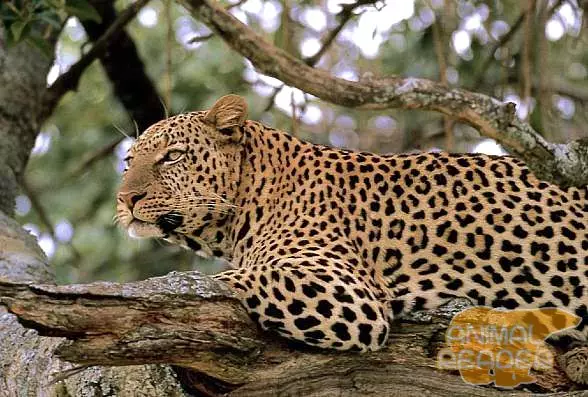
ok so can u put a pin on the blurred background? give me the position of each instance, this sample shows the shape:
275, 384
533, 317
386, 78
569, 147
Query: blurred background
68, 196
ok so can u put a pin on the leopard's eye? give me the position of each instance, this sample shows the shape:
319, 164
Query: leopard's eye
127, 161
172, 156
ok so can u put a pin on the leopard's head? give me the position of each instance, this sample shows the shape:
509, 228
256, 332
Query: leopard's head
182, 173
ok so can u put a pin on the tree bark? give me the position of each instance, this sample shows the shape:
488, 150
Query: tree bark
194, 322
23, 72
28, 361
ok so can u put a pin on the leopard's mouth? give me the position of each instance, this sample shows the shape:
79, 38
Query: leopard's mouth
165, 224
170, 221
141, 229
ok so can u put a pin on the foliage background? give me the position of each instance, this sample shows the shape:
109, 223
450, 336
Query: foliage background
68, 193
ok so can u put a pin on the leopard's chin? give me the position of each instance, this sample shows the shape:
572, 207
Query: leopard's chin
139, 229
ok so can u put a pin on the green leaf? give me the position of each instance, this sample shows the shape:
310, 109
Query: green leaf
50, 18
42, 44
17, 28
83, 10
7, 14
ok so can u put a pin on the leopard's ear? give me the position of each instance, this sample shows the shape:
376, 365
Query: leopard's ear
227, 115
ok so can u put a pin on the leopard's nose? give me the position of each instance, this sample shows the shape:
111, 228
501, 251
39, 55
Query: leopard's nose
131, 198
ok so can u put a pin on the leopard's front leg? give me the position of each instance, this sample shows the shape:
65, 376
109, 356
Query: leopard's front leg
320, 302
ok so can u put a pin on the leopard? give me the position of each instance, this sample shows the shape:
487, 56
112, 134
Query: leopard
328, 246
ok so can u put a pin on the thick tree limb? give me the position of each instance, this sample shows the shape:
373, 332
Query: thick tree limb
564, 164
109, 36
194, 322
125, 69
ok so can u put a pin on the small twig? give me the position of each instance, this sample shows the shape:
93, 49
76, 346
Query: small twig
92, 158
87, 161
294, 116
168, 53
442, 62
345, 16
70, 79
200, 39
500, 43
44, 218
558, 85
237, 4
272, 98
38, 207
543, 95
526, 68
479, 79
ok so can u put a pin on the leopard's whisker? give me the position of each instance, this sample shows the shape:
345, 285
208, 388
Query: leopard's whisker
120, 130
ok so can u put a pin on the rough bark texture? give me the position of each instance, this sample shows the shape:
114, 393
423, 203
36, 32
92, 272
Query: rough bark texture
28, 362
194, 322
563, 164
23, 72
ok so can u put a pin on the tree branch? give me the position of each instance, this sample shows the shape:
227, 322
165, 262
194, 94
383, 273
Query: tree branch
526, 64
126, 70
70, 79
500, 43
565, 165
195, 322
576, 90
439, 41
479, 79
345, 16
